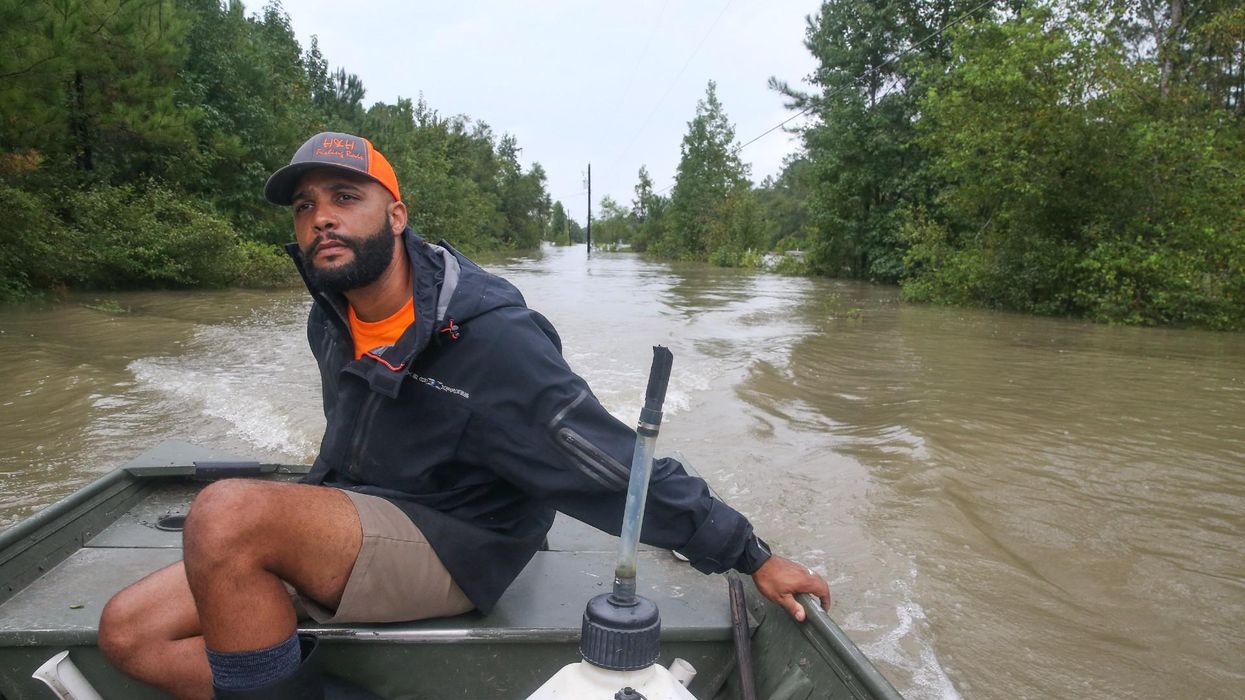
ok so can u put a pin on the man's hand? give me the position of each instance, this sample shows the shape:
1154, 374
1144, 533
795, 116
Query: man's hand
781, 580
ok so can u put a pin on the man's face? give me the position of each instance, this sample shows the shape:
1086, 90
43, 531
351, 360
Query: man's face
344, 229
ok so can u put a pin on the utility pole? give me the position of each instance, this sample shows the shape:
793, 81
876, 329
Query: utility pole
590, 210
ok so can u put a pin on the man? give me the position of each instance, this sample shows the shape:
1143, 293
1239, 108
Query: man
454, 427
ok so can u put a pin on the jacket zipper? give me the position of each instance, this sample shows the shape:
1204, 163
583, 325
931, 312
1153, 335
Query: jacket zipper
327, 346
362, 427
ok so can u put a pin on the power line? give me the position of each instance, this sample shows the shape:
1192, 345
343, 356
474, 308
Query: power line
774, 128
670, 86
858, 78
853, 83
642, 55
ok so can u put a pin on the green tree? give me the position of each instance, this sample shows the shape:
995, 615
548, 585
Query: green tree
644, 196
38, 252
183, 107
784, 203
1072, 186
736, 234
613, 225
709, 171
648, 212
1188, 44
576, 231
87, 89
151, 237
862, 145
340, 101
557, 230
247, 80
523, 199
437, 160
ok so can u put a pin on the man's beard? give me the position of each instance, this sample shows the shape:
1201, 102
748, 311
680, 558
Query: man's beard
372, 256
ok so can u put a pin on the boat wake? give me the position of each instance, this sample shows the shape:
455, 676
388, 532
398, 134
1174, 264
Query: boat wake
251, 386
904, 644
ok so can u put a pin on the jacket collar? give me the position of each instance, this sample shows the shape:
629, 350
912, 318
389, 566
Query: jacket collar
435, 277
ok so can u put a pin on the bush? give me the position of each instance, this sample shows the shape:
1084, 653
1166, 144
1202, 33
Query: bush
38, 252
151, 237
726, 257
1073, 196
790, 265
264, 265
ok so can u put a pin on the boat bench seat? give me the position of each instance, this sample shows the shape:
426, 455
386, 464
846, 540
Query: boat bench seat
545, 603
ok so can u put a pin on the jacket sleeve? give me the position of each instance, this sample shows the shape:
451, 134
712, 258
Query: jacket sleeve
538, 426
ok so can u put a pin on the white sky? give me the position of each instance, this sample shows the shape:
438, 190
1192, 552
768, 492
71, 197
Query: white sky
578, 81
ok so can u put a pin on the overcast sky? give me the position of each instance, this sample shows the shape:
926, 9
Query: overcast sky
578, 81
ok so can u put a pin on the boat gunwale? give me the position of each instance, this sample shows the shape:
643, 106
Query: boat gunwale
32, 547
43, 523
42, 637
846, 651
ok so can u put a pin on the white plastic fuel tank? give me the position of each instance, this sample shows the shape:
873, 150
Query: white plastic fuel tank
583, 681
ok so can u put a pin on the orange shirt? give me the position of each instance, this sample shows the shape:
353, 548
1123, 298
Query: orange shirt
375, 334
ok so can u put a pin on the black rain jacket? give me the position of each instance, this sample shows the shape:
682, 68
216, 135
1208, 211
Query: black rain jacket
474, 425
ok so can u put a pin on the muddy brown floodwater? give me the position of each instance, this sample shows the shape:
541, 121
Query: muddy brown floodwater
1005, 506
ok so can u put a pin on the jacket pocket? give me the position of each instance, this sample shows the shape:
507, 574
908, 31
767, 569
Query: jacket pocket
588, 457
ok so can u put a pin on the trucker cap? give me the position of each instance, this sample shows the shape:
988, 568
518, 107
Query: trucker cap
331, 149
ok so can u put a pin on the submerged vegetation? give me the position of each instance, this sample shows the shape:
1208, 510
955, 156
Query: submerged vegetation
1082, 157
137, 137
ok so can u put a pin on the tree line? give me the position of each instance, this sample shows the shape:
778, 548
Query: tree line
1064, 157
137, 135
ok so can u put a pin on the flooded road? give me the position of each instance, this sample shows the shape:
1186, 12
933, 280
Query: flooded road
1006, 507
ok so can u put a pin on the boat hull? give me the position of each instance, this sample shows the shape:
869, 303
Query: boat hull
58, 569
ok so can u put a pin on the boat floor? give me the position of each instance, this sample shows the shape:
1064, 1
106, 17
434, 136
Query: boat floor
543, 607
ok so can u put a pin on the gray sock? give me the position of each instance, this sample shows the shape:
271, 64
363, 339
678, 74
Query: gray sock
245, 670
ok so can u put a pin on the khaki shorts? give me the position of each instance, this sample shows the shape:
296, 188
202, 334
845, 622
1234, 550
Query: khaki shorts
396, 577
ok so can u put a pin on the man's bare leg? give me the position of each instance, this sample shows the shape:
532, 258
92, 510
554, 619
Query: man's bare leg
150, 631
242, 540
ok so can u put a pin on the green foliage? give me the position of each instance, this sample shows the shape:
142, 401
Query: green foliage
38, 253
648, 212
863, 159
263, 265
613, 226
557, 231
152, 236
711, 213
1069, 185
523, 198
735, 234
562, 229
709, 172
427, 153
119, 112
246, 86
576, 232
458, 181
1082, 158
89, 86
1178, 255
790, 265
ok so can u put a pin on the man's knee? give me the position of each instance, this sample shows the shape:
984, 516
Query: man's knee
226, 522
121, 635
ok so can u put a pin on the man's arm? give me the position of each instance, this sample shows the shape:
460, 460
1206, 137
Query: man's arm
560, 445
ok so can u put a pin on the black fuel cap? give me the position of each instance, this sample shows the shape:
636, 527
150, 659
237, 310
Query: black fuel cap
618, 636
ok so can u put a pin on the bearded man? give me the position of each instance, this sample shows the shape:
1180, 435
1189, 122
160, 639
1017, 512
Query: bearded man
454, 430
